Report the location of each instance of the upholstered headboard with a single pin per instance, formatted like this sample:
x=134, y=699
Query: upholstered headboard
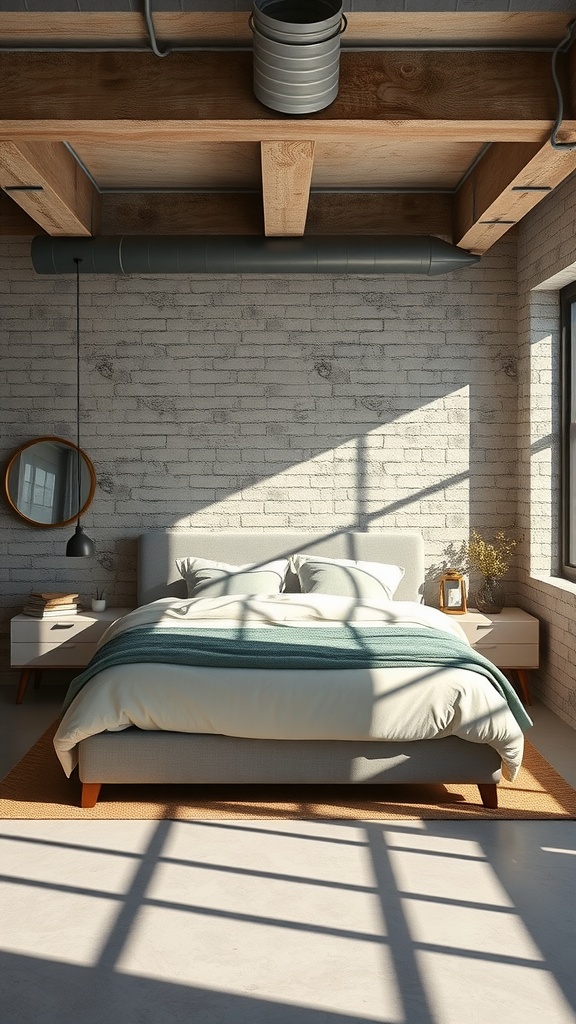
x=157, y=550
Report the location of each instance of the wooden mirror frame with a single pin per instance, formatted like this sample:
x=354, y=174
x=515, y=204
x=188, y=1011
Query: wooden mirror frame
x=86, y=461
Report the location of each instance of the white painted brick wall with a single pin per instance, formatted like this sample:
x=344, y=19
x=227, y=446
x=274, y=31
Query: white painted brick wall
x=261, y=403
x=546, y=247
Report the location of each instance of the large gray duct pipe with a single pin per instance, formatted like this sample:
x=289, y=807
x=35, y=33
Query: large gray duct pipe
x=249, y=254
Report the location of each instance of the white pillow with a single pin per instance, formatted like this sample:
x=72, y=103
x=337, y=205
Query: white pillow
x=346, y=577
x=207, y=578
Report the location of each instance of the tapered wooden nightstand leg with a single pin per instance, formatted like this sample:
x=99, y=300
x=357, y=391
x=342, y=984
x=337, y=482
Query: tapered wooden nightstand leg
x=90, y=793
x=23, y=683
x=489, y=794
x=523, y=680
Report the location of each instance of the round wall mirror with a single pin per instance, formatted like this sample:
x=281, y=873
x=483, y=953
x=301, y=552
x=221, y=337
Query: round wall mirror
x=41, y=482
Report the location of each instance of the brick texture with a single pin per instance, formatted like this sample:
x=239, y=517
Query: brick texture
x=261, y=403
x=546, y=248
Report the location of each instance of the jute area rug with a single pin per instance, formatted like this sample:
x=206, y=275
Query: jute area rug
x=38, y=788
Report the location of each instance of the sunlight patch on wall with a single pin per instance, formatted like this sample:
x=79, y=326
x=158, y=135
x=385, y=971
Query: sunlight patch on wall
x=409, y=470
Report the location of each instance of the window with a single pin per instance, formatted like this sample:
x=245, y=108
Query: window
x=36, y=497
x=568, y=399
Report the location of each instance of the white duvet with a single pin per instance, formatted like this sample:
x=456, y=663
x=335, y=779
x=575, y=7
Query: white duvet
x=360, y=704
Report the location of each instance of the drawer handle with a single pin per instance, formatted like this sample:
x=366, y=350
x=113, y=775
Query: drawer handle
x=62, y=625
x=68, y=646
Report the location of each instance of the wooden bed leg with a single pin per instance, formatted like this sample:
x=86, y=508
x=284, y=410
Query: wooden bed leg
x=489, y=794
x=90, y=793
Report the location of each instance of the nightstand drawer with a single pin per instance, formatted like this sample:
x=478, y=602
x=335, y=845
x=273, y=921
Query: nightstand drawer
x=509, y=655
x=504, y=628
x=42, y=655
x=56, y=631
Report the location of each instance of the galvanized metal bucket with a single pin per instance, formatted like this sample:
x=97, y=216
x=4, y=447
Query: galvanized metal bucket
x=296, y=53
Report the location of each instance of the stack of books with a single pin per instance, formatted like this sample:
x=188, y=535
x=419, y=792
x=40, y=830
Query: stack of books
x=52, y=604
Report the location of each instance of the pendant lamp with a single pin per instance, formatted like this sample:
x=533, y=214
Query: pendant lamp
x=79, y=544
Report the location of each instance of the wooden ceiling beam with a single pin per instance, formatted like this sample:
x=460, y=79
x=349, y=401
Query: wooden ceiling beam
x=188, y=213
x=286, y=177
x=353, y=133
x=242, y=214
x=197, y=28
x=14, y=221
x=46, y=181
x=473, y=96
x=404, y=213
x=508, y=182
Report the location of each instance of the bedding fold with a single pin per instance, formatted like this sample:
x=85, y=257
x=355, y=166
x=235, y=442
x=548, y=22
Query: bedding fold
x=353, y=646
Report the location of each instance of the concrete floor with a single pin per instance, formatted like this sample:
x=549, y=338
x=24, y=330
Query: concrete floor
x=154, y=922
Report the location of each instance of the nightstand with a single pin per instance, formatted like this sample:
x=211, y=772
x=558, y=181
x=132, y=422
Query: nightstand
x=509, y=639
x=56, y=642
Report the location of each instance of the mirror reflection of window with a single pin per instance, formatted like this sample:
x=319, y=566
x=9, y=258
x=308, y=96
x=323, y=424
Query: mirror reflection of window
x=36, y=498
x=42, y=481
x=40, y=468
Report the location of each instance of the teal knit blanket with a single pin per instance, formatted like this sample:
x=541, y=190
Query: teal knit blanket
x=304, y=647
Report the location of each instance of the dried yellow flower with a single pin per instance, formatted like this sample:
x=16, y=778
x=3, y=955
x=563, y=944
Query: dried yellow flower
x=490, y=559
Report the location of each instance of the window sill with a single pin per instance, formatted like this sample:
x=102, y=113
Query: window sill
x=556, y=583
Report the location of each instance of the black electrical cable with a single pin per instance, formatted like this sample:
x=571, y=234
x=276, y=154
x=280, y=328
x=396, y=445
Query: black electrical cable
x=79, y=544
x=152, y=32
x=563, y=47
x=78, y=261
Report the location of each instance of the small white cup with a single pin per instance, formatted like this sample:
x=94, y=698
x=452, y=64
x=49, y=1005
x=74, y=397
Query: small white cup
x=98, y=604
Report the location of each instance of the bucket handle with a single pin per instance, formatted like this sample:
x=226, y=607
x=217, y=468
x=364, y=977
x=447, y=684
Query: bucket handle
x=341, y=28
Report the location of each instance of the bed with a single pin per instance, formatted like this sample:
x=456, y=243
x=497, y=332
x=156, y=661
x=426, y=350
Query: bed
x=141, y=721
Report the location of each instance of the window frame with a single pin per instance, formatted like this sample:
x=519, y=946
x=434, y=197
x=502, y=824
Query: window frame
x=567, y=430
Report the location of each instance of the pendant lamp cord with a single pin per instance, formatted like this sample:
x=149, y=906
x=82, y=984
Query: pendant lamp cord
x=78, y=261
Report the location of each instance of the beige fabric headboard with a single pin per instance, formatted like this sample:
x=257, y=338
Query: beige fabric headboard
x=158, y=549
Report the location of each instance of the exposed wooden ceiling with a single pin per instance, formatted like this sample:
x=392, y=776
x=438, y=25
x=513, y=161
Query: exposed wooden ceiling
x=435, y=130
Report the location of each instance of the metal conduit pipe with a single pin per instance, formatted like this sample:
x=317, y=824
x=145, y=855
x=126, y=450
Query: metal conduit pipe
x=249, y=254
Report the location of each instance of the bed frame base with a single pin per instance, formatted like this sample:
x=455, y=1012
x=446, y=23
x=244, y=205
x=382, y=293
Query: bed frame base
x=136, y=756
x=488, y=794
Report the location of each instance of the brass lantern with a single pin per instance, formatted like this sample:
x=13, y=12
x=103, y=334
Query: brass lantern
x=453, y=593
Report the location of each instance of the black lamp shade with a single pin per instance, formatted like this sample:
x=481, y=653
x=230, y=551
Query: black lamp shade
x=79, y=545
